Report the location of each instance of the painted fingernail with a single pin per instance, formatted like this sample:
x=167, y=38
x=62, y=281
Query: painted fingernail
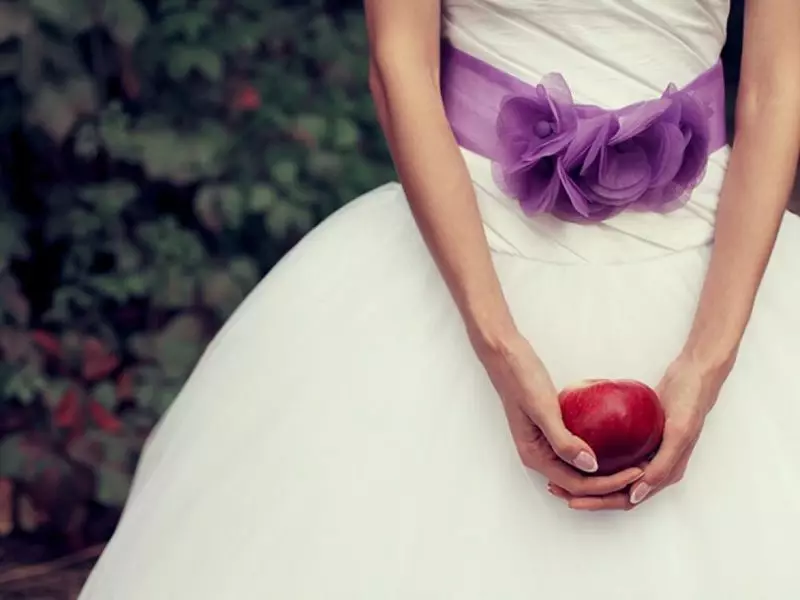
x=585, y=462
x=640, y=492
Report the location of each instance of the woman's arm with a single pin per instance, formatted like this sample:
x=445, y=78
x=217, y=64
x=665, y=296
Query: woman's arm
x=758, y=181
x=405, y=42
x=404, y=80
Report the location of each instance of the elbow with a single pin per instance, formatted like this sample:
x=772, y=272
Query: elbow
x=771, y=95
x=376, y=89
x=400, y=63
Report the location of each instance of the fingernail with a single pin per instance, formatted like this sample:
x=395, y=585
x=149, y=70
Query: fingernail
x=585, y=462
x=640, y=492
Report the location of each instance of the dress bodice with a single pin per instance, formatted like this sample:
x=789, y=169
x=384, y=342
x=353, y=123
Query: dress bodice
x=611, y=53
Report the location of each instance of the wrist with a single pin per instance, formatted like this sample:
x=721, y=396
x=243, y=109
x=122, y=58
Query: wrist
x=713, y=342
x=492, y=333
x=710, y=359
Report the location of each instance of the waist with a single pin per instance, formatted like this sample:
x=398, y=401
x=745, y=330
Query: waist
x=579, y=162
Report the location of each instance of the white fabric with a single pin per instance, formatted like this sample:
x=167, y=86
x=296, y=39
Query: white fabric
x=339, y=440
x=612, y=53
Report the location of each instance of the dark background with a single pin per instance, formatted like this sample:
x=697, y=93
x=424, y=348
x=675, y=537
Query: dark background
x=156, y=159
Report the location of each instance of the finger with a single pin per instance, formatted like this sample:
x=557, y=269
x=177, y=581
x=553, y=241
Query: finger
x=559, y=492
x=677, y=473
x=618, y=501
x=569, y=447
x=674, y=446
x=578, y=484
x=615, y=501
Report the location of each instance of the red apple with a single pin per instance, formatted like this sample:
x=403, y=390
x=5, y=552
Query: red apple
x=621, y=420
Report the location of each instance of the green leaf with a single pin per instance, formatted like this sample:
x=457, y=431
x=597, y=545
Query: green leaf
x=67, y=301
x=87, y=141
x=81, y=93
x=51, y=110
x=181, y=157
x=170, y=244
x=113, y=486
x=128, y=257
x=262, y=197
x=346, y=134
x=188, y=25
x=219, y=205
x=111, y=285
x=13, y=456
x=179, y=345
x=7, y=372
x=244, y=271
x=222, y=292
x=12, y=232
x=148, y=381
x=325, y=165
x=115, y=132
x=166, y=6
x=182, y=60
x=313, y=126
x=54, y=391
x=13, y=304
x=142, y=346
x=285, y=217
x=74, y=16
x=110, y=199
x=125, y=19
x=26, y=384
x=106, y=394
x=164, y=397
x=285, y=173
x=174, y=289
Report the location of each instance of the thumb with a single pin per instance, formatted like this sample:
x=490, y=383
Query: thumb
x=663, y=463
x=569, y=447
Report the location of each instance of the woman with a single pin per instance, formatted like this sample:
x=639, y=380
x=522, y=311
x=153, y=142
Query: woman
x=347, y=434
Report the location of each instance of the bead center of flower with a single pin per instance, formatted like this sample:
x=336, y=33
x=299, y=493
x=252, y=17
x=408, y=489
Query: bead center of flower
x=543, y=129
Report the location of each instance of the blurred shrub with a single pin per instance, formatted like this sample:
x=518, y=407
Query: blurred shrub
x=158, y=157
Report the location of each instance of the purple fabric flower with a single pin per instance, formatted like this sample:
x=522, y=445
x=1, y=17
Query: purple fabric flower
x=586, y=164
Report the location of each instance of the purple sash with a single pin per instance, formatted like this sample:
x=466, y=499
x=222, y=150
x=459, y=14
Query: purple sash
x=583, y=163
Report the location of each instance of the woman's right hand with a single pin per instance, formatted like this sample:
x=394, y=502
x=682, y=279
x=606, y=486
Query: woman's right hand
x=534, y=416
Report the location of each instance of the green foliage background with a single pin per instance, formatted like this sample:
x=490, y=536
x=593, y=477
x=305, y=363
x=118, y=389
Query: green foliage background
x=157, y=158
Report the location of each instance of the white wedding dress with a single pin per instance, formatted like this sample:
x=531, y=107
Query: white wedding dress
x=339, y=440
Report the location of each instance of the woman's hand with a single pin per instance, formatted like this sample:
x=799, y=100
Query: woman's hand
x=534, y=417
x=688, y=392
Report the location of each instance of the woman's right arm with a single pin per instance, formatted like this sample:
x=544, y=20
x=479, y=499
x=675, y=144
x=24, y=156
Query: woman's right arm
x=404, y=80
x=404, y=76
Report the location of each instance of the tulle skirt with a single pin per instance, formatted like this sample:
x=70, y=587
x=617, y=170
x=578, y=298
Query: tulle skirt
x=339, y=439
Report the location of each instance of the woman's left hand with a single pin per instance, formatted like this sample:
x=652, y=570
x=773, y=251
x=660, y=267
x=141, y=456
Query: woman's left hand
x=687, y=392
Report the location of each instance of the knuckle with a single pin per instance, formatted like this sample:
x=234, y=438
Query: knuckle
x=576, y=487
x=564, y=450
x=657, y=477
x=526, y=457
x=676, y=430
x=683, y=430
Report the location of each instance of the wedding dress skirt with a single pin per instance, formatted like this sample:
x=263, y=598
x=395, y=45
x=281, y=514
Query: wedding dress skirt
x=339, y=439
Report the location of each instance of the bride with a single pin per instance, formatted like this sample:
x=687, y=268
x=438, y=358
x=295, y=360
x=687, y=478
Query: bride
x=379, y=419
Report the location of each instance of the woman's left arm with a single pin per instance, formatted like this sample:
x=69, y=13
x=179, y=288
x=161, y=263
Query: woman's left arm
x=758, y=182
x=753, y=200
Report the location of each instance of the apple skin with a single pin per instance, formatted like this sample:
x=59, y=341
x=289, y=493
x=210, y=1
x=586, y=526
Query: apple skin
x=621, y=420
